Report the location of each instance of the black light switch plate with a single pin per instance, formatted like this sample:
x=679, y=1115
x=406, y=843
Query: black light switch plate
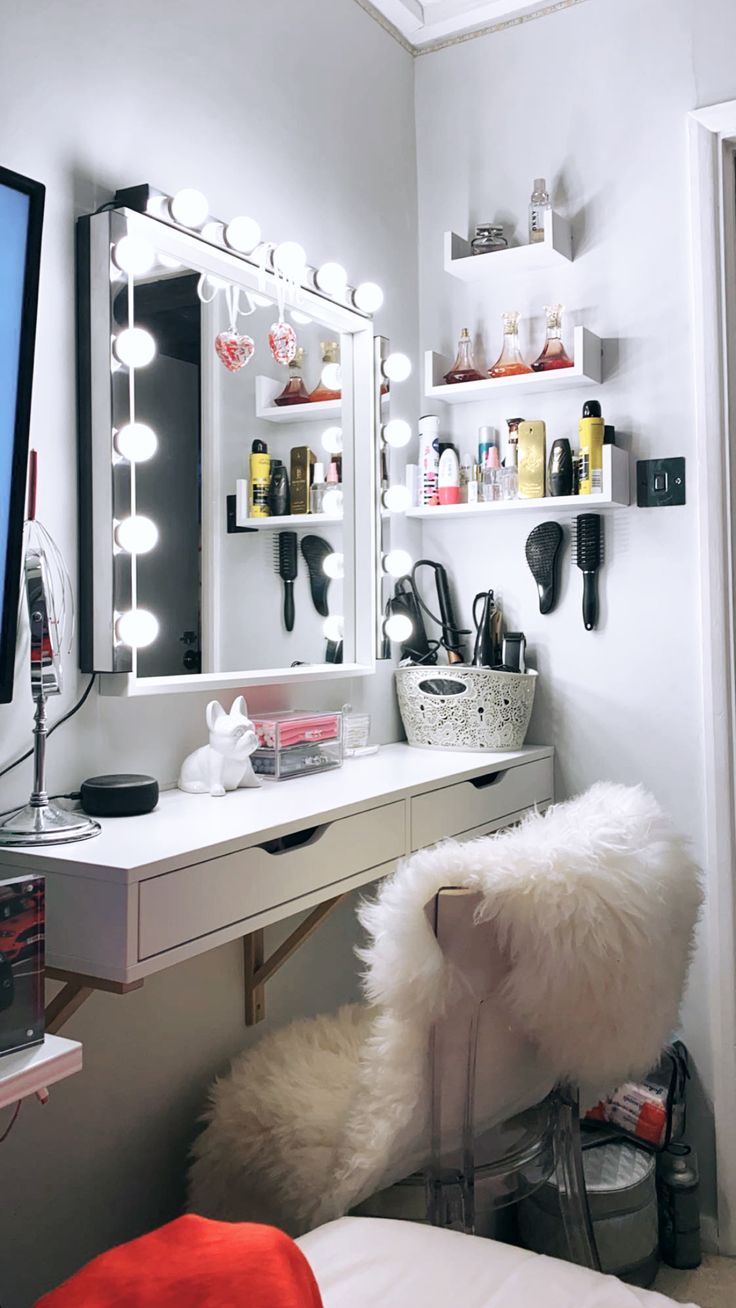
x=660, y=483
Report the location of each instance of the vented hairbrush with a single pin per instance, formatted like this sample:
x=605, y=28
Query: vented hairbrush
x=315, y=550
x=587, y=553
x=286, y=563
x=542, y=548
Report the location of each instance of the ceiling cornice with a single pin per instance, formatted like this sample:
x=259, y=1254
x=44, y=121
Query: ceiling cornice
x=554, y=7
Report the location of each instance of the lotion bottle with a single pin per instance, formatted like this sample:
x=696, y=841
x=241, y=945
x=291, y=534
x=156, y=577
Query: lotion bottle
x=449, y=477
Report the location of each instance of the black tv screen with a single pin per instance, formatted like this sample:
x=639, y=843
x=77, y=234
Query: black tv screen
x=21, y=220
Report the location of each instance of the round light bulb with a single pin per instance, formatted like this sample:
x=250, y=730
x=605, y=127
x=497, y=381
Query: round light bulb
x=290, y=259
x=135, y=347
x=136, y=628
x=303, y=319
x=398, y=627
x=397, y=563
x=397, y=367
x=368, y=297
x=212, y=232
x=334, y=566
x=332, y=502
x=331, y=377
x=189, y=208
x=396, y=499
x=134, y=255
x=243, y=235
x=397, y=433
x=332, y=440
x=137, y=534
x=135, y=442
x=333, y=627
x=332, y=279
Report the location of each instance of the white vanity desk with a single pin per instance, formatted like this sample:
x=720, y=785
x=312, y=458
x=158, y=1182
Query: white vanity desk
x=152, y=891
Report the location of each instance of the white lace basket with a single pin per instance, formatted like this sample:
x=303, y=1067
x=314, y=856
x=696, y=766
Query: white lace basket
x=458, y=707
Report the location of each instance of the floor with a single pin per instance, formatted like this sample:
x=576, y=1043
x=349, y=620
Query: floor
x=711, y=1286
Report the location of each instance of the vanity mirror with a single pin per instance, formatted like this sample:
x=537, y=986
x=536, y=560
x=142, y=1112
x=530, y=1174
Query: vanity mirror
x=231, y=407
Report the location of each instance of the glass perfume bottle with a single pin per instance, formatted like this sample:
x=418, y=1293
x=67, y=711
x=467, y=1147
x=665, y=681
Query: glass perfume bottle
x=463, y=369
x=330, y=355
x=539, y=209
x=294, y=392
x=488, y=239
x=554, y=355
x=509, y=362
x=511, y=459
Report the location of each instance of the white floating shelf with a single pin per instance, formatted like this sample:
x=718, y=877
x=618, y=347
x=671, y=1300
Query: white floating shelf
x=615, y=495
x=34, y=1069
x=290, y=520
x=468, y=267
x=266, y=391
x=586, y=371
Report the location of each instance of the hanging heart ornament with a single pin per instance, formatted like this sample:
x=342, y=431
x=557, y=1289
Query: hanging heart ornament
x=234, y=350
x=282, y=342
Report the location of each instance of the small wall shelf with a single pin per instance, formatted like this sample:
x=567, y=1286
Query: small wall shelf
x=615, y=495
x=291, y=520
x=31, y=1070
x=266, y=391
x=460, y=262
x=586, y=371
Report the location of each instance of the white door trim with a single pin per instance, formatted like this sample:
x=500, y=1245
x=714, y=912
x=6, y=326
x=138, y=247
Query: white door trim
x=711, y=139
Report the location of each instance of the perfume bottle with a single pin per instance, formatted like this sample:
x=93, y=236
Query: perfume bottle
x=294, y=392
x=488, y=239
x=509, y=362
x=511, y=459
x=317, y=489
x=539, y=208
x=332, y=498
x=463, y=369
x=330, y=355
x=554, y=355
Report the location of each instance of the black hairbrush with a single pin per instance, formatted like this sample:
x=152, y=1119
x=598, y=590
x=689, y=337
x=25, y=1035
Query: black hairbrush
x=588, y=555
x=315, y=551
x=286, y=563
x=542, y=548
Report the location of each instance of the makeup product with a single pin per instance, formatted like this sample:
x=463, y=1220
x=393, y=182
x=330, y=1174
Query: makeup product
x=591, y=429
x=314, y=551
x=260, y=477
x=532, y=458
x=486, y=441
x=588, y=555
x=510, y=362
x=559, y=469
x=511, y=459
x=429, y=459
x=332, y=499
x=553, y=354
x=542, y=552
x=411, y=476
x=294, y=743
x=286, y=562
x=279, y=500
x=539, y=209
x=490, y=481
x=317, y=489
x=473, y=487
x=449, y=477
x=487, y=648
x=513, y=658
x=302, y=463
x=463, y=369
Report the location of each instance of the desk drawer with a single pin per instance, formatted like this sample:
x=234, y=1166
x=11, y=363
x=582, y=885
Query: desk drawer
x=196, y=901
x=485, y=799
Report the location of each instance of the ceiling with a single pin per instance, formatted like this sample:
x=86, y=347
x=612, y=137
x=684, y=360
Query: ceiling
x=424, y=22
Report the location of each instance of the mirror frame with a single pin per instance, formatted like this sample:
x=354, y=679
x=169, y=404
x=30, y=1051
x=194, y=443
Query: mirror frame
x=106, y=480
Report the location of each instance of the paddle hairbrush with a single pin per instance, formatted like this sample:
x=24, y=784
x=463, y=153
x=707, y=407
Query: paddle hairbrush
x=588, y=555
x=315, y=550
x=286, y=563
x=542, y=548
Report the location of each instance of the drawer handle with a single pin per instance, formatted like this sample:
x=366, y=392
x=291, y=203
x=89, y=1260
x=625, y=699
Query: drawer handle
x=296, y=840
x=490, y=779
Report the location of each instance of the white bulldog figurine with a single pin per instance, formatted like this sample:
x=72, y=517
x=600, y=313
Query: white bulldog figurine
x=225, y=763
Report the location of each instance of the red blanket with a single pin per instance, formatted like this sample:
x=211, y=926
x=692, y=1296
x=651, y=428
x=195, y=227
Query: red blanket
x=195, y=1263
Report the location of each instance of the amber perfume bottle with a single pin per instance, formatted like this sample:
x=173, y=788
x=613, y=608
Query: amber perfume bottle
x=554, y=354
x=330, y=355
x=509, y=362
x=294, y=392
x=463, y=369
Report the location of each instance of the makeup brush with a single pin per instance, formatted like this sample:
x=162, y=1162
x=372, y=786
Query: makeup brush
x=587, y=553
x=286, y=563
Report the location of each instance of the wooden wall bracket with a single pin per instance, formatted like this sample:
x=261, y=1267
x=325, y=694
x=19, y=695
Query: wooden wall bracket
x=258, y=969
x=76, y=989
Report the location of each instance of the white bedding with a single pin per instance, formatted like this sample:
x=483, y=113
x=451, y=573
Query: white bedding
x=367, y=1262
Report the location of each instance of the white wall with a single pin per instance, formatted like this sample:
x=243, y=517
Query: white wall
x=302, y=115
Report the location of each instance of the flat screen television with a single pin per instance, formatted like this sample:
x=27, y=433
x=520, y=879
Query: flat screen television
x=21, y=221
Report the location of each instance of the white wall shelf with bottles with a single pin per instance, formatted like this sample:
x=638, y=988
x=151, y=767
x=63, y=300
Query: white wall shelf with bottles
x=586, y=371
x=460, y=261
x=267, y=388
x=615, y=495
x=290, y=520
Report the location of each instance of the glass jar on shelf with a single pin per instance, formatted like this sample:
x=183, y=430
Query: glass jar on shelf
x=553, y=355
x=463, y=369
x=510, y=362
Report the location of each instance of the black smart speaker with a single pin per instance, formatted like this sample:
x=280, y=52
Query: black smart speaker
x=126, y=794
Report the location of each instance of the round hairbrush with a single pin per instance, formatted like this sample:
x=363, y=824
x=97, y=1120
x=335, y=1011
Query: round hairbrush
x=542, y=548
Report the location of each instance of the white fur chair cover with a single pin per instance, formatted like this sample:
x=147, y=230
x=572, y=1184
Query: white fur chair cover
x=594, y=904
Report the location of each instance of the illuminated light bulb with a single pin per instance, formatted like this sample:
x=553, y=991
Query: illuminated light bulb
x=333, y=627
x=332, y=502
x=135, y=347
x=136, y=442
x=261, y=301
x=397, y=499
x=290, y=259
x=332, y=279
x=397, y=563
x=331, y=377
x=303, y=319
x=243, y=235
x=368, y=297
x=212, y=232
x=398, y=627
x=134, y=255
x=332, y=440
x=137, y=534
x=189, y=208
x=397, y=433
x=334, y=566
x=136, y=628
x=397, y=367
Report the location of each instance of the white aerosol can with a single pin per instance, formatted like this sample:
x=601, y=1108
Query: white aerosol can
x=429, y=459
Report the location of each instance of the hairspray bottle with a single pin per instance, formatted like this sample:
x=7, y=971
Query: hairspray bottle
x=591, y=430
x=429, y=459
x=260, y=478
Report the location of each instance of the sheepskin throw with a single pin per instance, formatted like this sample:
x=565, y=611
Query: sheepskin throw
x=594, y=904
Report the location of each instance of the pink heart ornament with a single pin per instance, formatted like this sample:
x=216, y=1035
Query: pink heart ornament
x=282, y=342
x=234, y=350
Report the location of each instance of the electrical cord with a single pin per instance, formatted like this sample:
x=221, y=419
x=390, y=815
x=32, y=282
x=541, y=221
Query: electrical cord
x=12, y=1122
x=79, y=704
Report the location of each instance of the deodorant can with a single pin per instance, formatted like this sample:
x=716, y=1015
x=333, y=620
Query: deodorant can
x=429, y=459
x=678, y=1193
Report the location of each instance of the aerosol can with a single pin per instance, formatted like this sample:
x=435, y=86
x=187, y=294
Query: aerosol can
x=679, y=1206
